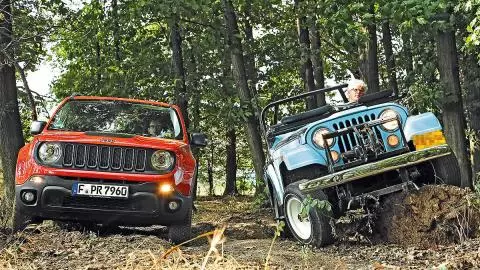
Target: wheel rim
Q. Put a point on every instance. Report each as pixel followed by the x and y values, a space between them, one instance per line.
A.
pixel 302 228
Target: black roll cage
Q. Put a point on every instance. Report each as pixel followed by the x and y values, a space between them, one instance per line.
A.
pixel 277 103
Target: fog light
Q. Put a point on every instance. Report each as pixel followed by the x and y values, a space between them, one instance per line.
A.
pixel 173 205
pixel 393 140
pixel 165 189
pixel 28 196
pixel 335 155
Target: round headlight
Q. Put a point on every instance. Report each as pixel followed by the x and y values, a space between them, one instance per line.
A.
pixel 162 160
pixel 49 152
pixel 388 114
pixel 318 137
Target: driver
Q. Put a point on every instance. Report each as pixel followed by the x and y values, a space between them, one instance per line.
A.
pixel 355 89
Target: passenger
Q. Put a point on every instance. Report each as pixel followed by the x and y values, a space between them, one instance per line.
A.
pixel 355 89
pixel 157 129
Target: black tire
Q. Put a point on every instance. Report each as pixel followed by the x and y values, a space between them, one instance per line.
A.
pixel 20 220
pixel 316 230
pixel 447 171
pixel 180 233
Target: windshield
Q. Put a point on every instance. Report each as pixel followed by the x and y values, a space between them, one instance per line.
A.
pixel 118 117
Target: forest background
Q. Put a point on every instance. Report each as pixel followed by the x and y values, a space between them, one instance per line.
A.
pixel 221 61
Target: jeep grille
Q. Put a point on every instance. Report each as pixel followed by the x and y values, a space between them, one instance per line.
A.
pixel 104 158
pixel 348 141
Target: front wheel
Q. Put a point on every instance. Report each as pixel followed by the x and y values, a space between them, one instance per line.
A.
pixel 180 233
pixel 20 220
pixel 447 171
pixel 315 229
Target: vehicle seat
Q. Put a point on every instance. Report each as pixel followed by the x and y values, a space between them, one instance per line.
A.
pixel 306 115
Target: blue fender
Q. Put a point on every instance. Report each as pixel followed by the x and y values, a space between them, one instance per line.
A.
pixel 419 124
pixel 298 155
pixel 276 183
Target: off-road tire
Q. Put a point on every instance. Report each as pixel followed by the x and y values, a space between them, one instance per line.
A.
pixel 318 219
pixel 447 170
pixel 180 233
pixel 20 220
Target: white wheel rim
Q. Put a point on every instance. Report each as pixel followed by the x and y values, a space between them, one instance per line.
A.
pixel 302 228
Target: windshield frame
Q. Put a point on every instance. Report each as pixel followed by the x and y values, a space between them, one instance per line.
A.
pixel 175 108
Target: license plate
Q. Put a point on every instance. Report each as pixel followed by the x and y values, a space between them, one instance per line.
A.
pixel 97 190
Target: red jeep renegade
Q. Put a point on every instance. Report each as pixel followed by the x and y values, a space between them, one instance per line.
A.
pixel 109 161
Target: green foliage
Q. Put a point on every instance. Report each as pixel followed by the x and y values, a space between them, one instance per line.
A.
pixel 126 52
pixel 323 205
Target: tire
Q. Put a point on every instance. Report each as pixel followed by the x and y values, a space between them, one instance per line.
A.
pixel 447 171
pixel 316 229
pixel 180 233
pixel 20 220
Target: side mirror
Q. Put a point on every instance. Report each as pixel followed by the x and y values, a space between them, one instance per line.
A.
pixel 37 126
pixel 198 139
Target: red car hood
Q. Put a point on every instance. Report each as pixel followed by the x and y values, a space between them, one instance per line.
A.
pixel 109 139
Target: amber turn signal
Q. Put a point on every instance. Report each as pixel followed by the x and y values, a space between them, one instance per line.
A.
pixel 334 155
pixel 429 139
pixel 393 140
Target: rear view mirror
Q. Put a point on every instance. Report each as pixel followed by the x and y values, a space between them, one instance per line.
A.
pixel 198 139
pixel 37 126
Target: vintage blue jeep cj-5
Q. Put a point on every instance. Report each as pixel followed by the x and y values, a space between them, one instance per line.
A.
pixel 347 153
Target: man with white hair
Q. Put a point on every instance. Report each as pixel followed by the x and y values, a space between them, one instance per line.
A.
pixel 355 89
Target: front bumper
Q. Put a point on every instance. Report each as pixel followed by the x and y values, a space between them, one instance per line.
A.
pixel 143 207
pixel 374 168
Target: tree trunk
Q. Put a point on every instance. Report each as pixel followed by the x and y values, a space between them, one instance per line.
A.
pixel 116 38
pixel 249 55
pixel 179 72
pixel 211 190
pixel 471 82
pixel 452 106
pixel 28 91
pixel 253 134
pixel 306 70
pixel 372 59
pixel 407 53
pixel 317 61
pixel 11 136
pixel 389 57
pixel 231 163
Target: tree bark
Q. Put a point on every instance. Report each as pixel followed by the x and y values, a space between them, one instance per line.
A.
pixel 179 71
pixel 253 134
pixel 11 136
pixel 249 55
pixel 231 163
pixel 472 83
pixel 407 53
pixel 372 59
pixel 452 105
pixel 28 91
pixel 306 70
pixel 211 189
pixel 116 39
pixel 389 57
pixel 317 61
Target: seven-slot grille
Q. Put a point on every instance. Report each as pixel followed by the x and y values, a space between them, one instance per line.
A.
pixel 104 158
pixel 347 141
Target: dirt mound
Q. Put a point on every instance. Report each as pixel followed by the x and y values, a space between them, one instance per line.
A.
pixel 431 216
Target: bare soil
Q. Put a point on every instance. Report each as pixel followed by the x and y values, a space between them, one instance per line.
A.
pixel 421 224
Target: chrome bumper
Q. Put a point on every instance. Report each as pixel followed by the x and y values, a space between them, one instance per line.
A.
pixel 378 167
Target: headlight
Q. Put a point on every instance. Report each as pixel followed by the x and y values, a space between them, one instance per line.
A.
pixel 387 114
pixel 318 137
pixel 162 160
pixel 49 152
